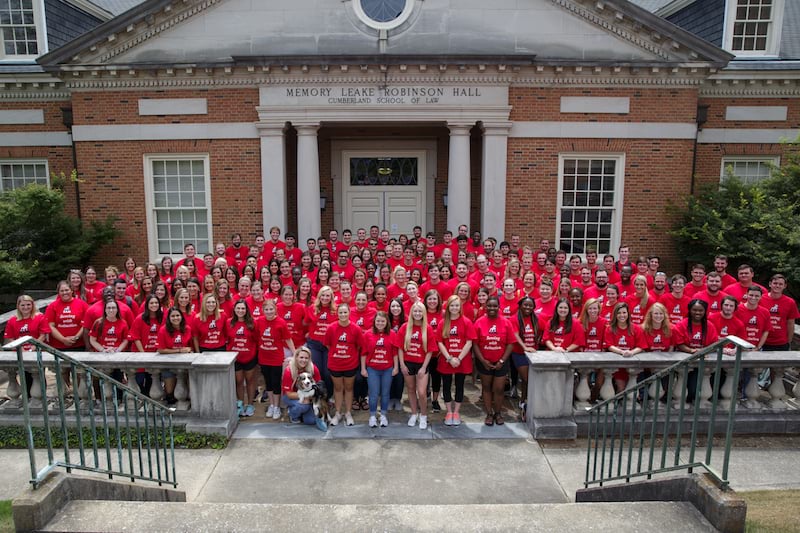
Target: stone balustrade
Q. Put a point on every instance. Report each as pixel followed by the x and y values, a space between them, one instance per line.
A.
pixel 559 393
pixel 205 389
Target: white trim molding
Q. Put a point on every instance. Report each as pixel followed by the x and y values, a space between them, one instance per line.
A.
pixel 36 138
pixel 756 113
pixel 173 106
pixel 603 130
pixel 22 116
pixel 746 136
pixel 166 132
pixel 595 104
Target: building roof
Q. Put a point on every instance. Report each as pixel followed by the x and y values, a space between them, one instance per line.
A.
pixel 116 7
pixel 651 5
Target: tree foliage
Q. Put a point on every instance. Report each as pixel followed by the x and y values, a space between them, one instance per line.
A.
pixel 39 242
pixel 757 224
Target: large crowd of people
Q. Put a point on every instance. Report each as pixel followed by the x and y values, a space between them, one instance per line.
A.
pixel 374 316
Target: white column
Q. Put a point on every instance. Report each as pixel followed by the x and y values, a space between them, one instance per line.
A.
pixel 493 184
pixel 458 177
pixel 273 175
pixel 308 212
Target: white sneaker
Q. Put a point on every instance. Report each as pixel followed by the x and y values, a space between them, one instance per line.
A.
pixel 276 412
pixel 336 419
pixel 348 419
pixel 423 422
pixel 268 414
pixel 412 421
pixel 373 422
pixel 384 422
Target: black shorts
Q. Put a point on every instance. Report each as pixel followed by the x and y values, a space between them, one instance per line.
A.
pixel 413 368
pixel 500 372
pixel 204 349
pixel 244 367
pixel 344 373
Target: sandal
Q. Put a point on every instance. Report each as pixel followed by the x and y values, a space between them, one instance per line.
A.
pixel 498 419
pixel 489 421
pixel 364 405
pixel 356 406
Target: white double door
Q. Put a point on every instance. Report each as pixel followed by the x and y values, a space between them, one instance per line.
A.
pixel 397 208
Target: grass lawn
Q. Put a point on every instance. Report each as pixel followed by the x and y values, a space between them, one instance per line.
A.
pixel 772 511
pixel 6 522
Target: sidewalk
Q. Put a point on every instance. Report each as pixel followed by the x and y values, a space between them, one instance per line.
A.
pixel 396 470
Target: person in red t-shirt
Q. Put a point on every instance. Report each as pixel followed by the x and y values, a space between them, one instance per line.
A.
pixel 93 287
pixel 754 317
pixel 658 330
pixel 344 341
pixel 529 332
pixel 209 325
pixel 623 338
pixel 416 341
pixel 300 410
pixel 27 321
pixel 696 332
pixel 242 339
pixel 455 336
pixel 726 322
pixel 109 333
pixel 318 317
pixel 174 337
pixel 564 334
pixel 495 340
pixel 782 312
pixel 640 301
pixel 274 345
pixel 379 364
pixel 713 293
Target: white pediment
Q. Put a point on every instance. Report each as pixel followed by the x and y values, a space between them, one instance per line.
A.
pixel 211 31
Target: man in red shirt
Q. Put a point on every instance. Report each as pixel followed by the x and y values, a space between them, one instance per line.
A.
pixel 676 301
pixel 755 318
pixel 598 290
pixel 235 254
pixel 782 313
pixel 712 294
pixel 343 266
pixel 739 290
pixel 293 253
pixel 697 283
pixel 720 265
pixel 274 242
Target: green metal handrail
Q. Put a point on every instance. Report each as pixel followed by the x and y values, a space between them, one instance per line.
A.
pixel 142 442
pixel 620 425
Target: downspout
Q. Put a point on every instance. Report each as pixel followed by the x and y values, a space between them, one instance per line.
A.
pixel 702 118
pixel 66 118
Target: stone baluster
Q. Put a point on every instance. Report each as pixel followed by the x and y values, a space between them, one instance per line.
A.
pixel 727 391
pixel 796 389
pixel 651 392
pixel 706 390
pixel 582 392
pixel 679 391
pixel 131 400
pixel 633 374
pixel 752 391
pixel 36 400
pixel 156 390
pixel 777 390
pixel 82 388
pixel 182 390
pixel 13 391
pixel 607 390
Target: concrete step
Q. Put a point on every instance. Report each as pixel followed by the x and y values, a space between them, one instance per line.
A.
pixel 98 516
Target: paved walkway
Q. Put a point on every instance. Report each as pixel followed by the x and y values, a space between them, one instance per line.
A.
pixel 359 465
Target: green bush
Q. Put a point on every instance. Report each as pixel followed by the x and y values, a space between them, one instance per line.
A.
pixel 39 242
pixel 15 437
pixel 757 224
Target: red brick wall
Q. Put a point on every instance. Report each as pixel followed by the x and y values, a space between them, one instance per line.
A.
pixel 53 120
pixel 646 105
pixel 113 174
pixel 655 171
pixel 122 107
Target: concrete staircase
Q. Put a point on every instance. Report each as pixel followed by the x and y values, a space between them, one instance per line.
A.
pixel 100 516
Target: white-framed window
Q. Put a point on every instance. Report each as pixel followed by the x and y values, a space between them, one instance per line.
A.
pixel 750 169
pixel 590 196
pixel 178 202
pixel 383 14
pixel 22 29
pixel 753 27
pixel 17 173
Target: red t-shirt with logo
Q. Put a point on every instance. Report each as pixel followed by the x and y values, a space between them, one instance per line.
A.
pixel 756 322
pixel 67 317
pixel 241 340
pixel 625 339
pixel 562 338
pixel 493 335
pixel 344 346
pixel 112 334
pixel 175 340
pixel 210 332
pixel 461 331
pixel 288 383
pixel 415 353
pixel 294 315
pixel 379 350
pixel 595 334
pixel 780 311
pixel 317 324
pixel 657 340
pixel 272 336
pixel 34 326
pixel 145 333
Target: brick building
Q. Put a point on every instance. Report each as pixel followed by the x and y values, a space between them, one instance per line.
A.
pixel 575 120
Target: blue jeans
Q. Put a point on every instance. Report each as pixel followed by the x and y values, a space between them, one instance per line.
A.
pixel 300 411
pixel 379 382
pixel 319 356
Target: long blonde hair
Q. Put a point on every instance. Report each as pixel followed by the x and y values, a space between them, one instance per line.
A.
pixel 294 369
pixel 447 319
pixel 318 301
pixel 203 314
pixel 646 297
pixel 410 326
pixel 26 298
pixel 647 325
